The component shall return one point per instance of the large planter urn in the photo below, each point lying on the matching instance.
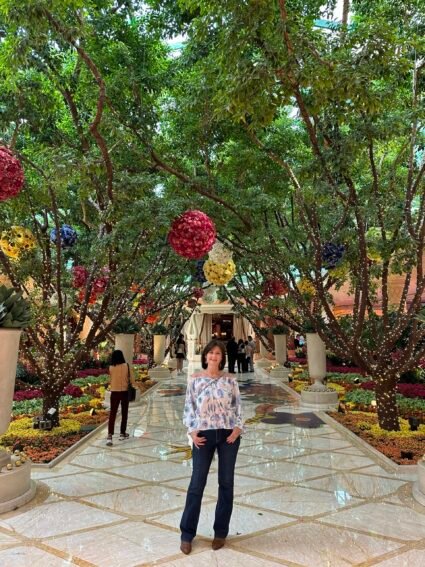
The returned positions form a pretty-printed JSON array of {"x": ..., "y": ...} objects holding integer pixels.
[
  {"x": 158, "y": 349},
  {"x": 280, "y": 349},
  {"x": 318, "y": 395},
  {"x": 16, "y": 488},
  {"x": 125, "y": 343}
]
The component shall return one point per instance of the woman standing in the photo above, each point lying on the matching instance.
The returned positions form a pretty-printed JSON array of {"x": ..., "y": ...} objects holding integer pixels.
[
  {"x": 212, "y": 414},
  {"x": 121, "y": 375},
  {"x": 180, "y": 353},
  {"x": 241, "y": 356}
]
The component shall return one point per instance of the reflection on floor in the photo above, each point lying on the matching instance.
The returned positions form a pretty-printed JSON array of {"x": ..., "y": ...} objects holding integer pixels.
[{"x": 304, "y": 495}]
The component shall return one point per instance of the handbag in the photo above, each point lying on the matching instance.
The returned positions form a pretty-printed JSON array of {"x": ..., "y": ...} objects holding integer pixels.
[{"x": 130, "y": 388}]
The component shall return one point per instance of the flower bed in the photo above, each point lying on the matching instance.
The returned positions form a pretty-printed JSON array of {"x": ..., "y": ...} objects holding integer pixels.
[
  {"x": 77, "y": 418},
  {"x": 389, "y": 443}
]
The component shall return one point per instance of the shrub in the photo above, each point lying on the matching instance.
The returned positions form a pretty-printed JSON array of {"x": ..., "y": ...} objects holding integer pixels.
[{"x": 22, "y": 430}]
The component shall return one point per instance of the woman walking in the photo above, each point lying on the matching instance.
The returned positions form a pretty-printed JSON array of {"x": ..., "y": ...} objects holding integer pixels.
[
  {"x": 121, "y": 376},
  {"x": 212, "y": 414},
  {"x": 180, "y": 353}
]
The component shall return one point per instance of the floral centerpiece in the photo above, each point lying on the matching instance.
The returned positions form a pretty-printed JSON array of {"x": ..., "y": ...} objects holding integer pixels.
[{"x": 192, "y": 234}]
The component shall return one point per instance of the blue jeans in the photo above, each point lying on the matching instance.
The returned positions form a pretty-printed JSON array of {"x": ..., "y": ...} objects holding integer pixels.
[{"x": 202, "y": 457}]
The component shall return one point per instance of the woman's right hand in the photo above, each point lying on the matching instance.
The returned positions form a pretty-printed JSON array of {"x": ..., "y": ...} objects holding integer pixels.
[{"x": 197, "y": 441}]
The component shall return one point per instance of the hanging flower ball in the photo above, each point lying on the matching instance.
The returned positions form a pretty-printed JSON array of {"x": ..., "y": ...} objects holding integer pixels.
[
  {"x": 99, "y": 284},
  {"x": 92, "y": 298},
  {"x": 305, "y": 287},
  {"x": 340, "y": 272},
  {"x": 219, "y": 274},
  {"x": 23, "y": 237},
  {"x": 192, "y": 234},
  {"x": 197, "y": 292},
  {"x": 373, "y": 254},
  {"x": 79, "y": 276},
  {"x": 199, "y": 272},
  {"x": 9, "y": 247},
  {"x": 219, "y": 253},
  {"x": 332, "y": 254},
  {"x": 274, "y": 287},
  {"x": 210, "y": 295},
  {"x": 68, "y": 236},
  {"x": 11, "y": 174}
]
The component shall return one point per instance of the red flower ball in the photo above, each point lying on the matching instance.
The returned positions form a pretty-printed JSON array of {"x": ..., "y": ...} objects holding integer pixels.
[
  {"x": 192, "y": 235},
  {"x": 197, "y": 292},
  {"x": 274, "y": 287},
  {"x": 11, "y": 174},
  {"x": 80, "y": 275},
  {"x": 99, "y": 284}
]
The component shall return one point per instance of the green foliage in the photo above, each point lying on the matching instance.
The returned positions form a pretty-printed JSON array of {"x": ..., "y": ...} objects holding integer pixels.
[
  {"x": 15, "y": 311},
  {"x": 125, "y": 325},
  {"x": 280, "y": 330},
  {"x": 158, "y": 329}
]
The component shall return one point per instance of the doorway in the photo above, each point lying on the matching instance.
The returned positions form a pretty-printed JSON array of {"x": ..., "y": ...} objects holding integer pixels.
[{"x": 222, "y": 326}]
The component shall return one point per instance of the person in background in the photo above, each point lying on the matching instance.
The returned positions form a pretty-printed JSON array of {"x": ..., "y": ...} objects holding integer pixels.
[
  {"x": 248, "y": 356},
  {"x": 180, "y": 353},
  {"x": 232, "y": 354},
  {"x": 241, "y": 356},
  {"x": 121, "y": 376},
  {"x": 213, "y": 417},
  {"x": 253, "y": 345}
]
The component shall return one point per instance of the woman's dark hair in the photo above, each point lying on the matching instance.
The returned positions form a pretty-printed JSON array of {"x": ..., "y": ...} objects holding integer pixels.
[
  {"x": 180, "y": 339},
  {"x": 212, "y": 344},
  {"x": 117, "y": 357}
]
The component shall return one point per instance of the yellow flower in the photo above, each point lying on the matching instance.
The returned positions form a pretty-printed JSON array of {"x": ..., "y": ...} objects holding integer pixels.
[
  {"x": 305, "y": 287},
  {"x": 219, "y": 274}
]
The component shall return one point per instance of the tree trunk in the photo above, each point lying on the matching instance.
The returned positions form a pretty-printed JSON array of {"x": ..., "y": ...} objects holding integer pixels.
[
  {"x": 51, "y": 400},
  {"x": 386, "y": 405}
]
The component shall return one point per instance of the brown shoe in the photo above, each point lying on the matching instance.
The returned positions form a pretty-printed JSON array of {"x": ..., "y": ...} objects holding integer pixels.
[
  {"x": 218, "y": 543},
  {"x": 186, "y": 547}
]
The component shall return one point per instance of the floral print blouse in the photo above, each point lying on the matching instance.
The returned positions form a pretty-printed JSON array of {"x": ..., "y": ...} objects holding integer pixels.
[{"x": 212, "y": 403}]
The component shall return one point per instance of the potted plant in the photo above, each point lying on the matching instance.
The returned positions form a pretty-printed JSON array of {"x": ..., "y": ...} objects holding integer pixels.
[
  {"x": 125, "y": 328},
  {"x": 159, "y": 332},
  {"x": 279, "y": 334},
  {"x": 15, "y": 315}
]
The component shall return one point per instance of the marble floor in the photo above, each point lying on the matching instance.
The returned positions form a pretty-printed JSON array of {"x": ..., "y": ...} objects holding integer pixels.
[{"x": 305, "y": 495}]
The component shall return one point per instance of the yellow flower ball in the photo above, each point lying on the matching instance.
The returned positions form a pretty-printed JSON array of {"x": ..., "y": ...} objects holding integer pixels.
[
  {"x": 305, "y": 287},
  {"x": 23, "y": 237},
  {"x": 340, "y": 272},
  {"x": 219, "y": 274},
  {"x": 9, "y": 248}
]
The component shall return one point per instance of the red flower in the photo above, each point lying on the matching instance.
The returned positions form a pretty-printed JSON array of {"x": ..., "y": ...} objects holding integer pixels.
[
  {"x": 80, "y": 275},
  {"x": 192, "y": 235},
  {"x": 197, "y": 292},
  {"x": 274, "y": 287},
  {"x": 11, "y": 174}
]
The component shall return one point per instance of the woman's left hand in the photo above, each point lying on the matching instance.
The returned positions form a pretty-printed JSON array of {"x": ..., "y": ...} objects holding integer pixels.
[{"x": 234, "y": 435}]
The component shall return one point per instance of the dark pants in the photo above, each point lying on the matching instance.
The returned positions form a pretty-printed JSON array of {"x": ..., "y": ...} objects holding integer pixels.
[
  {"x": 227, "y": 453},
  {"x": 116, "y": 398},
  {"x": 232, "y": 360},
  {"x": 242, "y": 367}
]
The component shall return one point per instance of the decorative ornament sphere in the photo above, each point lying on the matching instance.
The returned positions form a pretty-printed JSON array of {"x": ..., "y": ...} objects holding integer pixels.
[
  {"x": 11, "y": 174},
  {"x": 192, "y": 234},
  {"x": 197, "y": 292},
  {"x": 340, "y": 272},
  {"x": 9, "y": 247},
  {"x": 305, "y": 287},
  {"x": 23, "y": 237},
  {"x": 274, "y": 287},
  {"x": 151, "y": 319},
  {"x": 199, "y": 272},
  {"x": 219, "y": 274},
  {"x": 68, "y": 236},
  {"x": 219, "y": 253},
  {"x": 79, "y": 276},
  {"x": 332, "y": 254}
]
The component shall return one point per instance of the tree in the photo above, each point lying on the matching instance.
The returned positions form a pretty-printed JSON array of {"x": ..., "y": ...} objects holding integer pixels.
[
  {"x": 338, "y": 116},
  {"x": 82, "y": 170}
]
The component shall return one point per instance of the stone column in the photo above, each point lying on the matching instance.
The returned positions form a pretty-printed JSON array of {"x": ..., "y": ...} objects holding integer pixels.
[
  {"x": 125, "y": 343},
  {"x": 317, "y": 396},
  {"x": 158, "y": 349},
  {"x": 280, "y": 349}
]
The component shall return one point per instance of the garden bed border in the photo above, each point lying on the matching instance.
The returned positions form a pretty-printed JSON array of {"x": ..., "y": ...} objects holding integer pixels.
[
  {"x": 354, "y": 438},
  {"x": 43, "y": 466}
]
